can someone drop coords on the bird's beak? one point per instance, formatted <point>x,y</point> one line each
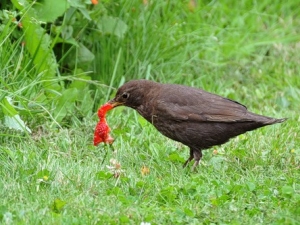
<point>114,103</point>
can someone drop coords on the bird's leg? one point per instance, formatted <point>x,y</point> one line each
<point>197,156</point>
<point>189,159</point>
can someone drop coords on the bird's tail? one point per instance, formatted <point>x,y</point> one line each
<point>270,120</point>
<point>280,120</point>
<point>265,120</point>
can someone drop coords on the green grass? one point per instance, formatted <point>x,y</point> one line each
<point>253,179</point>
<point>246,51</point>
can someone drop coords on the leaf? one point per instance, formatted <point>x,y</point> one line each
<point>112,25</point>
<point>167,194</point>
<point>12,119</point>
<point>58,205</point>
<point>102,175</point>
<point>65,103</point>
<point>85,13</point>
<point>124,219</point>
<point>87,102</point>
<point>140,184</point>
<point>67,32</point>
<point>43,173</point>
<point>49,11</point>
<point>7,107</point>
<point>218,162</point>
<point>175,157</point>
<point>115,191</point>
<point>84,54</point>
<point>79,55</point>
<point>287,190</point>
<point>251,186</point>
<point>82,83</point>
<point>70,41</point>
<point>38,43</point>
<point>189,212</point>
<point>77,3</point>
<point>16,123</point>
<point>83,96</point>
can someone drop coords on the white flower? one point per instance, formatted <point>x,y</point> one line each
<point>115,168</point>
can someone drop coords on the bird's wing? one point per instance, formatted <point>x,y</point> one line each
<point>201,106</point>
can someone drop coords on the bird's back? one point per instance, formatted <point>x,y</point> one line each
<point>199,118</point>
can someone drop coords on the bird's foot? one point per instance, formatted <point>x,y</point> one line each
<point>187,161</point>
<point>195,166</point>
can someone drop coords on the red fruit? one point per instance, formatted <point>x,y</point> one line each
<point>102,111</point>
<point>102,129</point>
<point>102,133</point>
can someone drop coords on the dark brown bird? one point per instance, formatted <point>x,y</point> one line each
<point>192,116</point>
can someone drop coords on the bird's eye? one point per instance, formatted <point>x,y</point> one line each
<point>125,95</point>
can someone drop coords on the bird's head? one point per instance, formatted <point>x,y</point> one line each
<point>131,94</point>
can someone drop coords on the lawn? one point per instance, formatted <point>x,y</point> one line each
<point>247,51</point>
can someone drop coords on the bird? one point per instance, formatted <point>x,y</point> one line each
<point>192,116</point>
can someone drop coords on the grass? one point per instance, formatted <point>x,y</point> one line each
<point>246,51</point>
<point>245,181</point>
